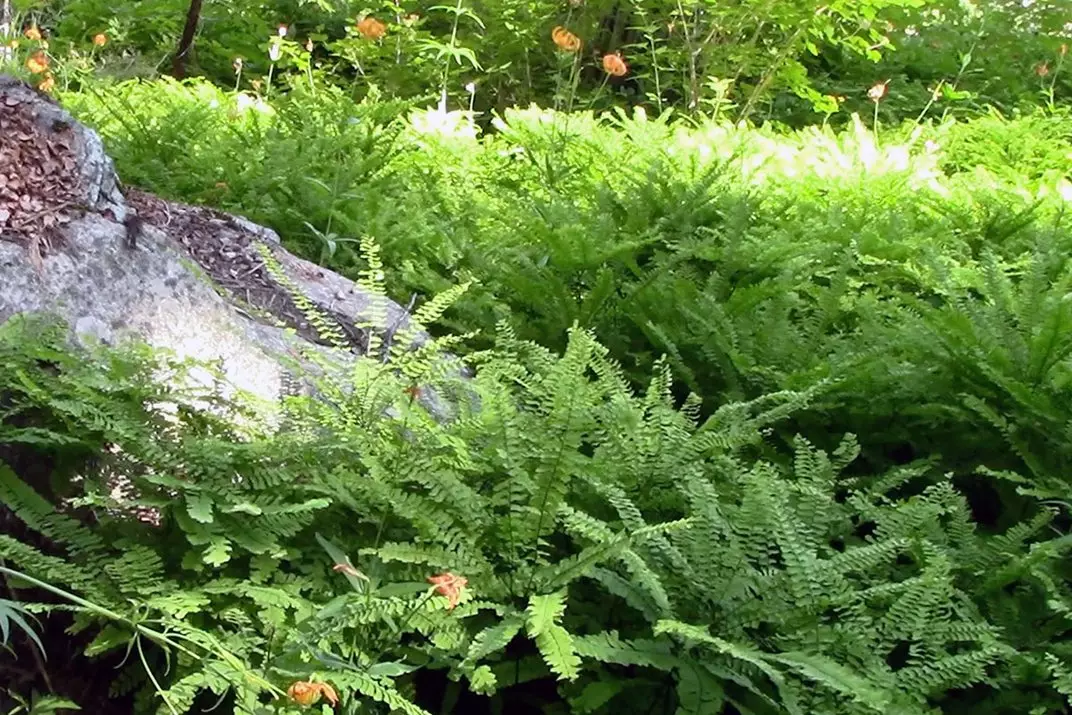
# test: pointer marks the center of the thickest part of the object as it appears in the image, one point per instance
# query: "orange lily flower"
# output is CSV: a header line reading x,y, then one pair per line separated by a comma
x,y
449,585
613,64
565,40
371,28
305,693
877,92
37,63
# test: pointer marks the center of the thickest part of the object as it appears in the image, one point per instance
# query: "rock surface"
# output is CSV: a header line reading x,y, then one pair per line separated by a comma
x,y
186,279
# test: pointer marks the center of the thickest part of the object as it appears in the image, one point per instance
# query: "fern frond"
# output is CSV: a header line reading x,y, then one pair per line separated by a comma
x,y
554,642
493,639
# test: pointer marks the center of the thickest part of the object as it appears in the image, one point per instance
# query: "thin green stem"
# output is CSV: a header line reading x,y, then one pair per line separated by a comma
x,y
140,629
453,44
953,84
655,66
149,672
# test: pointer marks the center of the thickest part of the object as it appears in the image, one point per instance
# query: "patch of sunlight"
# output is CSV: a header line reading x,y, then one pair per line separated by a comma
x,y
457,125
245,102
763,157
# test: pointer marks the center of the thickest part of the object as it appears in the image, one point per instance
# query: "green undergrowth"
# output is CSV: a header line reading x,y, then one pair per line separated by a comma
x,y
761,422
918,274
621,553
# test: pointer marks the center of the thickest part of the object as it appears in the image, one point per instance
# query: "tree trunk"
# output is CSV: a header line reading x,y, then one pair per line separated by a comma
x,y
193,15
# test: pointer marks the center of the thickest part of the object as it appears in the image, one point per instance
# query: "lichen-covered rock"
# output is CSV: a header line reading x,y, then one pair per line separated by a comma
x,y
186,279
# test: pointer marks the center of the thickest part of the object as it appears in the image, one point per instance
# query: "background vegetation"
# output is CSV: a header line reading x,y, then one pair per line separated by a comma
x,y
772,344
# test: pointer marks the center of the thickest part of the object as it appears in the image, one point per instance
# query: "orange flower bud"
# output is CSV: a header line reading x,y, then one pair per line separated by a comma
x,y
47,84
100,39
33,33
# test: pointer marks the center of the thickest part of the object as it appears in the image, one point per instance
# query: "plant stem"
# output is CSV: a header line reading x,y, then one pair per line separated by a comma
x,y
655,66
140,630
446,68
694,88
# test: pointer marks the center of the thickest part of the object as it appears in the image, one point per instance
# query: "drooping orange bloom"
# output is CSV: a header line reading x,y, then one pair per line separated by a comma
x,y
48,83
565,40
371,28
449,585
32,33
37,63
877,92
100,39
1042,69
613,64
305,693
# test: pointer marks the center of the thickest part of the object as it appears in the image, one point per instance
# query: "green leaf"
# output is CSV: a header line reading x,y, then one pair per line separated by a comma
x,y
391,670
493,638
745,653
199,507
345,566
553,641
595,695
218,552
698,691
835,676
482,680
243,508
12,612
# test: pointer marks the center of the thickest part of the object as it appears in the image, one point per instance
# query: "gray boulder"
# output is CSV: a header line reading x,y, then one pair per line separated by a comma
x,y
117,264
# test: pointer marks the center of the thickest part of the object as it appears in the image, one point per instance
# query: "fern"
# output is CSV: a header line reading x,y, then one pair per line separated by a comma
x,y
555,643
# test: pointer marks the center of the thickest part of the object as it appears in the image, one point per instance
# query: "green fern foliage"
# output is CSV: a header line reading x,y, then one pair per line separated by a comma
x,y
559,526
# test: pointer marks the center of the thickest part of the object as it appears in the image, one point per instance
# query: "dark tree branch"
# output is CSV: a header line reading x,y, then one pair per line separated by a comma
x,y
193,16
